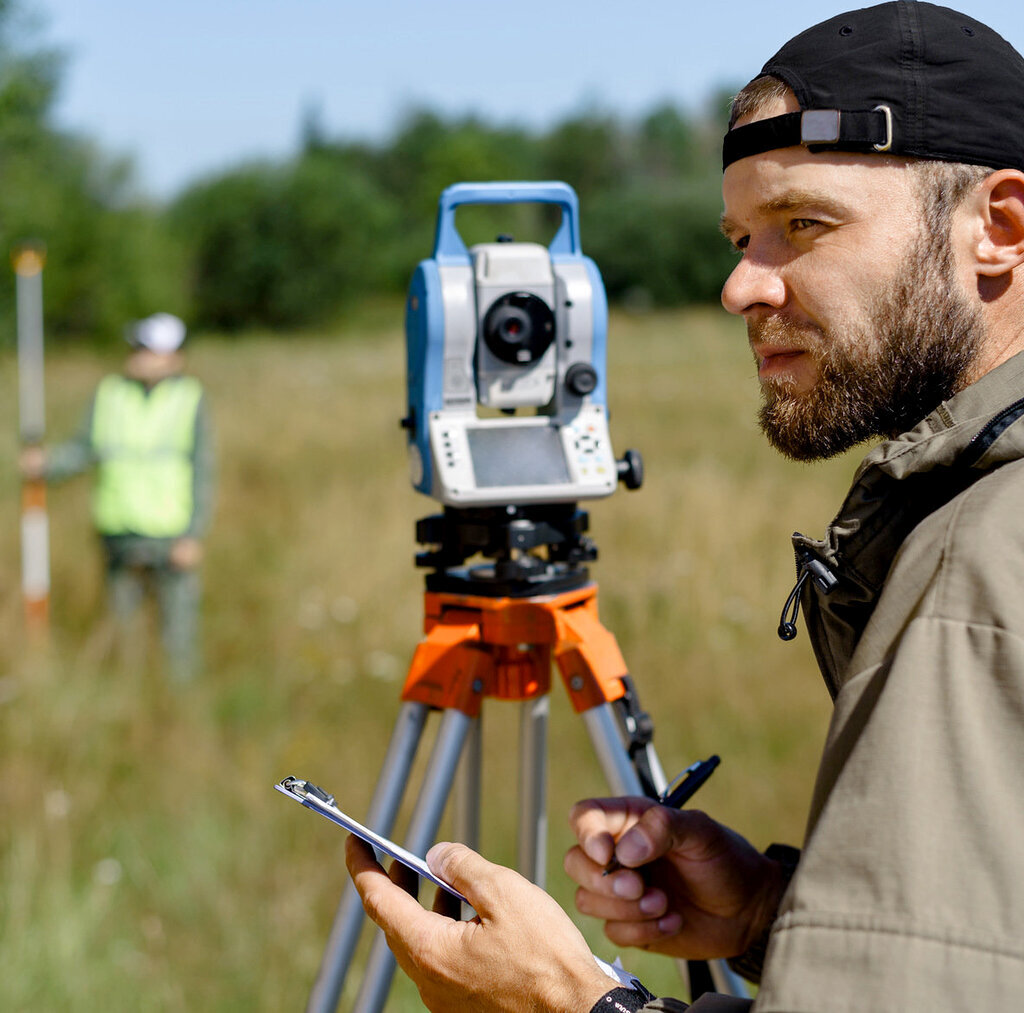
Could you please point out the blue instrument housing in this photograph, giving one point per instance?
(446, 372)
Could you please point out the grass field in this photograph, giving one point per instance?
(147, 862)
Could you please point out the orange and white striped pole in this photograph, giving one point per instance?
(29, 259)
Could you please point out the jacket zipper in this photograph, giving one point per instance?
(984, 439)
(807, 566)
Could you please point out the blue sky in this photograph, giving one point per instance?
(189, 87)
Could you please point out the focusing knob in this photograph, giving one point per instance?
(581, 378)
(631, 469)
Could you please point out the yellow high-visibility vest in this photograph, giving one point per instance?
(144, 442)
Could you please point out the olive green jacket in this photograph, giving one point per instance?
(909, 894)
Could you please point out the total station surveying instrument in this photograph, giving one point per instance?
(507, 426)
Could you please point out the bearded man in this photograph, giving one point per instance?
(874, 190)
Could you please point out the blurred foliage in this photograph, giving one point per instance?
(289, 245)
(59, 190)
(294, 242)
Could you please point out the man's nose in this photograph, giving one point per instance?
(753, 284)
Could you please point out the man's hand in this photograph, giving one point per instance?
(186, 553)
(703, 891)
(32, 462)
(521, 952)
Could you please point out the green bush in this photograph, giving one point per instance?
(294, 242)
(109, 257)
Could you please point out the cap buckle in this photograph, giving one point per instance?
(819, 126)
(887, 112)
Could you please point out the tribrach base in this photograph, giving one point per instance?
(477, 647)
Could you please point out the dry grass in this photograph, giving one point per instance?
(147, 862)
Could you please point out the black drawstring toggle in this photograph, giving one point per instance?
(787, 626)
(823, 577)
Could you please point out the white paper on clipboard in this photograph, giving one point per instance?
(298, 789)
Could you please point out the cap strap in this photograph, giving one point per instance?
(816, 129)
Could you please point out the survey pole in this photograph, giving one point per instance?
(28, 260)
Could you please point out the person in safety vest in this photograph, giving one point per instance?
(147, 434)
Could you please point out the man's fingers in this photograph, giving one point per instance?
(634, 830)
(649, 934)
(591, 827)
(386, 903)
(599, 822)
(471, 874)
(590, 875)
(401, 875)
(650, 904)
(359, 856)
(494, 891)
(446, 904)
(688, 834)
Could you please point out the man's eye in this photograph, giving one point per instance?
(741, 243)
(800, 224)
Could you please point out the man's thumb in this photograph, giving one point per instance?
(461, 867)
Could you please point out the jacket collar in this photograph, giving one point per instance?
(897, 485)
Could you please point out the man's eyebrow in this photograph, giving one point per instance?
(806, 200)
(792, 200)
(727, 226)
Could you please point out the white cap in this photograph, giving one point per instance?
(162, 332)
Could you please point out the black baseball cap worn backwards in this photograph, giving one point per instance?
(905, 78)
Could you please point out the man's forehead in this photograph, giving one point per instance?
(770, 177)
(791, 179)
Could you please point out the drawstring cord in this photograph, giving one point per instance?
(808, 565)
(787, 626)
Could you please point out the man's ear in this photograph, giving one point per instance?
(1000, 247)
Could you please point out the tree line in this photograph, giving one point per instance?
(291, 243)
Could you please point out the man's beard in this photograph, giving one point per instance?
(879, 378)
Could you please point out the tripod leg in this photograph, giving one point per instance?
(387, 798)
(466, 802)
(618, 768)
(426, 818)
(533, 812)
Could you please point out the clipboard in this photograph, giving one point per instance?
(320, 801)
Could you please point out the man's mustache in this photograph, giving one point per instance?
(778, 330)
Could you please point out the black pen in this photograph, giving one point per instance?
(686, 785)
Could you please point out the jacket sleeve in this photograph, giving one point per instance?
(74, 455)
(203, 473)
(710, 1002)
